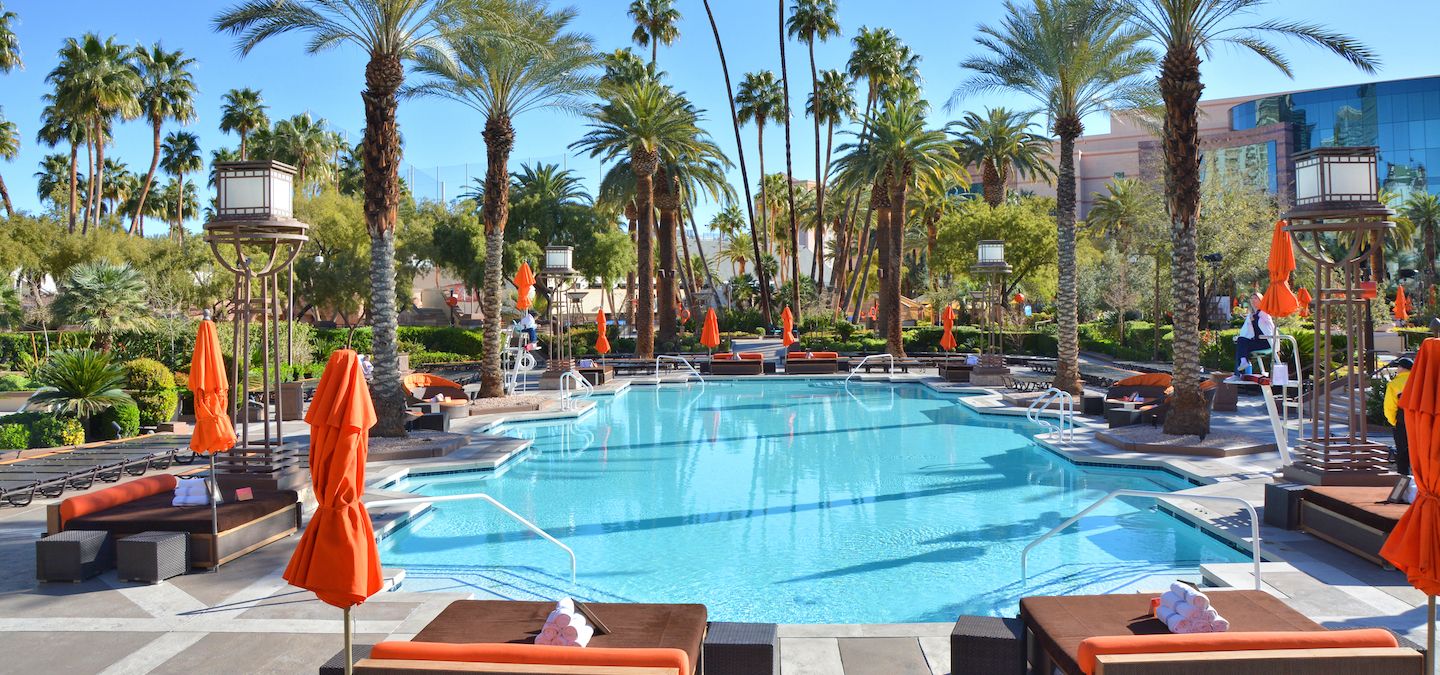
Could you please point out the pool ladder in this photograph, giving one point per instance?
(856, 368)
(1254, 523)
(406, 501)
(571, 384)
(678, 359)
(1065, 431)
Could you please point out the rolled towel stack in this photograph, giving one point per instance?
(565, 627)
(1186, 610)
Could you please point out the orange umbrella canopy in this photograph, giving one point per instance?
(947, 336)
(1279, 300)
(213, 431)
(336, 557)
(524, 279)
(1303, 296)
(1414, 545)
(710, 334)
(788, 320)
(1402, 304)
(602, 341)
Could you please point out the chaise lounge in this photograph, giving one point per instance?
(812, 363)
(144, 505)
(743, 363)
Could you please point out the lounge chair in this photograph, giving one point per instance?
(1351, 517)
(497, 637)
(421, 387)
(743, 363)
(812, 363)
(1117, 635)
(956, 368)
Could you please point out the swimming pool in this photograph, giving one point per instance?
(795, 501)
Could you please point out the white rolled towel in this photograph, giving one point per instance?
(1190, 595)
(566, 604)
(576, 636)
(1170, 599)
(548, 636)
(1190, 611)
(1219, 625)
(561, 618)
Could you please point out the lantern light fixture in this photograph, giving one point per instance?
(559, 260)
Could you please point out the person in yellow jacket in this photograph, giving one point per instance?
(1395, 416)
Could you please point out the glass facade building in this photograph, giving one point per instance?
(1400, 117)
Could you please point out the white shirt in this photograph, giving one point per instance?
(527, 321)
(1267, 326)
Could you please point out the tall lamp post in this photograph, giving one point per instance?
(255, 236)
(560, 270)
(990, 264)
(1337, 200)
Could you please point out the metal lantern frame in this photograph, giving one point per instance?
(559, 267)
(990, 264)
(1335, 447)
(255, 236)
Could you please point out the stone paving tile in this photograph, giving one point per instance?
(810, 656)
(882, 656)
(71, 653)
(297, 604)
(64, 600)
(937, 654)
(257, 653)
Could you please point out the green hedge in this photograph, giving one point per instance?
(127, 415)
(15, 383)
(148, 375)
(156, 407)
(14, 436)
(170, 343)
(48, 430)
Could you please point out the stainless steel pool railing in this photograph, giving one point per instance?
(1065, 432)
(1254, 522)
(567, 391)
(678, 359)
(492, 501)
(856, 368)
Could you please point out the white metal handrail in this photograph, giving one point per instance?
(520, 361)
(1066, 430)
(580, 383)
(679, 359)
(1295, 379)
(856, 368)
(493, 502)
(1254, 522)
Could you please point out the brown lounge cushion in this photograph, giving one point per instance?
(1358, 503)
(155, 513)
(1061, 623)
(631, 625)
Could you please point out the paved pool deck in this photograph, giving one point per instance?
(246, 619)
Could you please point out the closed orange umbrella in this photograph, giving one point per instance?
(710, 334)
(1279, 300)
(524, 279)
(788, 321)
(1414, 545)
(1303, 296)
(336, 557)
(947, 336)
(1402, 304)
(213, 430)
(602, 341)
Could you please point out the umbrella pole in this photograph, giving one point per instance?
(1430, 637)
(349, 645)
(214, 517)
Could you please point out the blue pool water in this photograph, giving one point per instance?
(796, 502)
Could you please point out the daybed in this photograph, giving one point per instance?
(497, 637)
(1116, 635)
(421, 387)
(1351, 517)
(143, 505)
(1155, 390)
(812, 363)
(743, 363)
(955, 369)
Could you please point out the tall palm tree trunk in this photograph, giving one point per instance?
(74, 205)
(1067, 363)
(744, 174)
(180, 201)
(1428, 232)
(89, 180)
(882, 249)
(854, 209)
(1180, 89)
(99, 179)
(630, 217)
(499, 142)
(383, 77)
(899, 193)
(764, 192)
(244, 148)
(5, 199)
(137, 226)
(666, 202)
(864, 250)
(644, 167)
(790, 178)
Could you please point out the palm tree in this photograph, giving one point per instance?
(897, 146)
(167, 93)
(61, 126)
(54, 169)
(9, 149)
(760, 99)
(96, 80)
(9, 41)
(514, 57)
(1126, 217)
(657, 22)
(80, 383)
(755, 239)
(307, 143)
(736, 250)
(183, 198)
(694, 168)
(242, 112)
(831, 103)
(1072, 58)
(645, 122)
(1423, 209)
(181, 151)
(790, 173)
(1185, 28)
(811, 21)
(388, 32)
(103, 298)
(1001, 143)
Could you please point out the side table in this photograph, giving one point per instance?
(73, 555)
(153, 556)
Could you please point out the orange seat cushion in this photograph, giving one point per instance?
(752, 356)
(812, 355)
(1229, 642)
(723, 356)
(416, 380)
(1147, 380)
(124, 493)
(534, 654)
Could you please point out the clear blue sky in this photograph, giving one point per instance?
(446, 135)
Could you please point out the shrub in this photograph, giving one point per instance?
(446, 339)
(155, 407)
(14, 436)
(424, 358)
(53, 431)
(127, 415)
(15, 383)
(148, 375)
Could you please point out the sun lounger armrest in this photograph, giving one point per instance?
(1368, 660)
(409, 667)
